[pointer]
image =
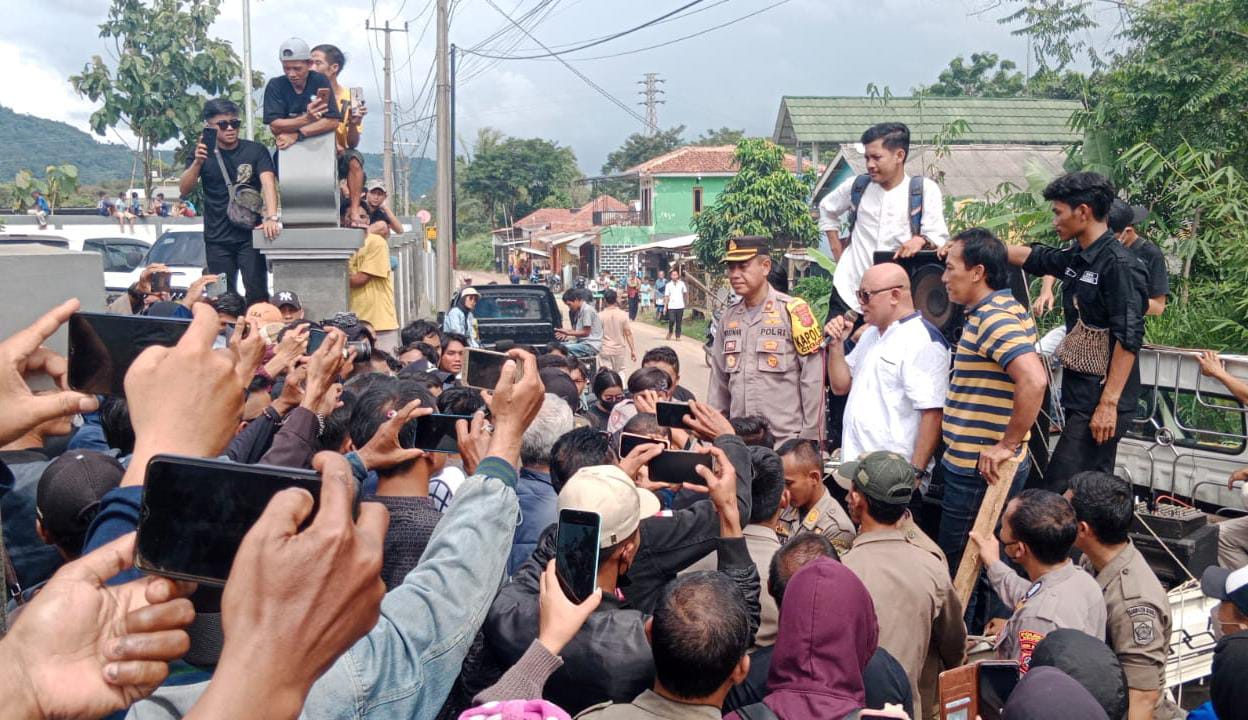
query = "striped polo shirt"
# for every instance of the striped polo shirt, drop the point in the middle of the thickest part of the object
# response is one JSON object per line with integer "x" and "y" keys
{"x": 981, "y": 393}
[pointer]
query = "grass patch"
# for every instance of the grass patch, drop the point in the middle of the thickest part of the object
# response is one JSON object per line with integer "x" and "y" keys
{"x": 695, "y": 328}
{"x": 475, "y": 253}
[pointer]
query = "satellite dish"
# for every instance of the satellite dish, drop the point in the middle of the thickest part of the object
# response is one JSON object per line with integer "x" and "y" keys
{"x": 424, "y": 217}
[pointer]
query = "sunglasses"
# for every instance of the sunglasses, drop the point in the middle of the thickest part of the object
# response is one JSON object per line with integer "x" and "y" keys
{"x": 228, "y": 124}
{"x": 864, "y": 296}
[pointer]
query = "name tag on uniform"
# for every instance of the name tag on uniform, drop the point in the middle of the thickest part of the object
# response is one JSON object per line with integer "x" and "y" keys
{"x": 1090, "y": 277}
{"x": 771, "y": 345}
{"x": 730, "y": 346}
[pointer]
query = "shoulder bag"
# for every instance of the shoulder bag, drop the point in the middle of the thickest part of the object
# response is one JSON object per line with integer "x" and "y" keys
{"x": 243, "y": 209}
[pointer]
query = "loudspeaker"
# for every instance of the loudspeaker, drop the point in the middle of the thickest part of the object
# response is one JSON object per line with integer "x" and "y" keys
{"x": 928, "y": 290}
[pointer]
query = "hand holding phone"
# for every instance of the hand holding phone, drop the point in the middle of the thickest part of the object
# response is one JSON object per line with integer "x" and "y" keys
{"x": 672, "y": 414}
{"x": 162, "y": 282}
{"x": 102, "y": 347}
{"x": 209, "y": 139}
{"x": 676, "y": 467}
{"x": 483, "y": 368}
{"x": 432, "y": 433}
{"x": 559, "y": 618}
{"x": 576, "y": 553}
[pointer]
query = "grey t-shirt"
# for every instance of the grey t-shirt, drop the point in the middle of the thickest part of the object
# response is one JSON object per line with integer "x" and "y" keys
{"x": 588, "y": 318}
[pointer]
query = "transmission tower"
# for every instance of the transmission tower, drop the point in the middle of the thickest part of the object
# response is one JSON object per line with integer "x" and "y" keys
{"x": 651, "y": 93}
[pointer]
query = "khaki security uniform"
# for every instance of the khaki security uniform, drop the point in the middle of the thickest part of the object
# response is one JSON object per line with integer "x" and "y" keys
{"x": 756, "y": 368}
{"x": 1138, "y": 621}
{"x": 827, "y": 518}
{"x": 1065, "y": 598}
{"x": 919, "y": 612}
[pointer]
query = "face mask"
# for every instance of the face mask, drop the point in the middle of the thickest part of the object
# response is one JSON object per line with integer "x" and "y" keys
{"x": 609, "y": 403}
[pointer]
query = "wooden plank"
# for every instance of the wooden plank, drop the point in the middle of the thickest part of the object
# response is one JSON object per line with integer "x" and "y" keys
{"x": 985, "y": 524}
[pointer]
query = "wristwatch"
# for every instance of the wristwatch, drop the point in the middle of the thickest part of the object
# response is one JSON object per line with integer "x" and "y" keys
{"x": 921, "y": 474}
{"x": 274, "y": 218}
{"x": 299, "y": 134}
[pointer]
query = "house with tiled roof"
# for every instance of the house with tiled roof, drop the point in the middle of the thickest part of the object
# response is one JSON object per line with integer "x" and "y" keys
{"x": 547, "y": 237}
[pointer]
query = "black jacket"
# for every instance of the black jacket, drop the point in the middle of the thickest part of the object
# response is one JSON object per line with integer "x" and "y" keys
{"x": 609, "y": 659}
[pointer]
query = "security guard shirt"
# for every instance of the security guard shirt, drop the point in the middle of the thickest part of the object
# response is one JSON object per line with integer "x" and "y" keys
{"x": 1138, "y": 619}
{"x": 827, "y": 518}
{"x": 1063, "y": 598}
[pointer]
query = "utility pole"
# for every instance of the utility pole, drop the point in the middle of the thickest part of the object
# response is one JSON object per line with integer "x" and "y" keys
{"x": 387, "y": 147}
{"x": 446, "y": 161}
{"x": 652, "y": 102}
{"x": 249, "y": 130}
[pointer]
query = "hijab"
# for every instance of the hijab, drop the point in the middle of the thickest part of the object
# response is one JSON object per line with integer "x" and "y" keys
{"x": 1045, "y": 693}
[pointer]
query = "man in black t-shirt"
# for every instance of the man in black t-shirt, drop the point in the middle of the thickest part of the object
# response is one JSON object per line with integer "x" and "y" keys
{"x": 300, "y": 103}
{"x": 1123, "y": 221}
{"x": 228, "y": 248}
{"x": 378, "y": 209}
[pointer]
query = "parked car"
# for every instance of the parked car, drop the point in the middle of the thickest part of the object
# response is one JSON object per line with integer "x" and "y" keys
{"x": 121, "y": 256}
{"x": 523, "y": 314}
{"x": 183, "y": 252}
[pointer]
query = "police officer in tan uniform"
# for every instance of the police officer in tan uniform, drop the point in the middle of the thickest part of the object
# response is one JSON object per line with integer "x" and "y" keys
{"x": 1037, "y": 531}
{"x": 919, "y": 612}
{"x": 767, "y": 359}
{"x": 811, "y": 507}
{"x": 1136, "y": 604}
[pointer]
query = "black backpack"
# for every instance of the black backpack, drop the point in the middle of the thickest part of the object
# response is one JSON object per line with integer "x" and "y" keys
{"x": 916, "y": 202}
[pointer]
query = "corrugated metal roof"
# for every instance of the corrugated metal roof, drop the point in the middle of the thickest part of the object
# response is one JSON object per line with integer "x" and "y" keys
{"x": 968, "y": 171}
{"x": 839, "y": 120}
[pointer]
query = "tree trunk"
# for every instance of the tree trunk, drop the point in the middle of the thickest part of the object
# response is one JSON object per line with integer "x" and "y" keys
{"x": 147, "y": 168}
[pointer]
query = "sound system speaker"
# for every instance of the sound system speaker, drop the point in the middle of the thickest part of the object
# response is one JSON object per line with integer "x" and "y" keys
{"x": 928, "y": 290}
{"x": 1197, "y": 550}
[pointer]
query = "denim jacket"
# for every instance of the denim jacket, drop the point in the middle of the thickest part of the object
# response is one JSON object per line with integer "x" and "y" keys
{"x": 405, "y": 665}
{"x": 459, "y": 320}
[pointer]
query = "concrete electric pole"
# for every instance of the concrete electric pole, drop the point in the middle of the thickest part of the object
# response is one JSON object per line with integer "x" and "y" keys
{"x": 249, "y": 130}
{"x": 387, "y": 143}
{"x": 651, "y": 93}
{"x": 446, "y": 162}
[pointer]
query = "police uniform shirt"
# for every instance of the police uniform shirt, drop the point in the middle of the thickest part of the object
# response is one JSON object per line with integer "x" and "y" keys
{"x": 919, "y": 612}
{"x": 827, "y": 518}
{"x": 1138, "y": 617}
{"x": 767, "y": 361}
{"x": 1064, "y": 598}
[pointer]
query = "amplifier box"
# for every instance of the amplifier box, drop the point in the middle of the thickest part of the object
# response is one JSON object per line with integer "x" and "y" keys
{"x": 1169, "y": 521}
{"x": 1197, "y": 551}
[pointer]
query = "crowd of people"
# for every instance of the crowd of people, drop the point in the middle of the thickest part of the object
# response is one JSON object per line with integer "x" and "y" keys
{"x": 787, "y": 577}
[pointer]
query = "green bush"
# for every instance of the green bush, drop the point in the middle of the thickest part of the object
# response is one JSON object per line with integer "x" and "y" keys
{"x": 475, "y": 253}
{"x": 816, "y": 290}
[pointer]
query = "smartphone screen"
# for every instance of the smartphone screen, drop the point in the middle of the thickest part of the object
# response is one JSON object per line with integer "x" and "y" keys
{"x": 323, "y": 94}
{"x": 996, "y": 682}
{"x": 672, "y": 414}
{"x": 162, "y": 282}
{"x": 630, "y": 442}
{"x": 196, "y": 511}
{"x": 576, "y": 553}
{"x": 216, "y": 288}
{"x": 209, "y": 138}
{"x": 357, "y": 97}
{"x": 678, "y": 466}
{"x": 102, "y": 347}
{"x": 315, "y": 338}
{"x": 483, "y": 368}
{"x": 434, "y": 433}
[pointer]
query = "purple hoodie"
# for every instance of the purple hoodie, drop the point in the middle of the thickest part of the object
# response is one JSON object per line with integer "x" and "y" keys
{"x": 828, "y": 632}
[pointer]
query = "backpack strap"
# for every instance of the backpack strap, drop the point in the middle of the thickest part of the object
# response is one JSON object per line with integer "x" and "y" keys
{"x": 757, "y": 711}
{"x": 916, "y": 205}
{"x": 855, "y": 199}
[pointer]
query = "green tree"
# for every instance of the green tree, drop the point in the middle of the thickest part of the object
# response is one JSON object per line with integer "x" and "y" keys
{"x": 512, "y": 177}
{"x": 986, "y": 76}
{"x": 167, "y": 66}
{"x": 637, "y": 149}
{"x": 59, "y": 182}
{"x": 763, "y": 198}
{"x": 722, "y": 136}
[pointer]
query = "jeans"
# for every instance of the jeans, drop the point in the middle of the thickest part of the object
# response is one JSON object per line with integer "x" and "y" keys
{"x": 229, "y": 257}
{"x": 964, "y": 493}
{"x": 1076, "y": 451}
{"x": 581, "y": 349}
{"x": 675, "y": 317}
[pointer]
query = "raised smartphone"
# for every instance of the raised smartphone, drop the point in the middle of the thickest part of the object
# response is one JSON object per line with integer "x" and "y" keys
{"x": 432, "y": 433}
{"x": 209, "y": 138}
{"x": 576, "y": 553}
{"x": 672, "y": 414}
{"x": 195, "y": 512}
{"x": 483, "y": 368}
{"x": 678, "y": 466}
{"x": 630, "y": 442}
{"x": 103, "y": 346}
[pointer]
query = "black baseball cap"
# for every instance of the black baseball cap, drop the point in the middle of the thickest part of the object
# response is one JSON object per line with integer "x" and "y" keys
{"x": 70, "y": 489}
{"x": 1123, "y": 216}
{"x": 1222, "y": 583}
{"x": 286, "y": 297}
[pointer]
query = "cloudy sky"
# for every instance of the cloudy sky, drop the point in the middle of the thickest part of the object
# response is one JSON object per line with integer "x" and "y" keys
{"x": 732, "y": 76}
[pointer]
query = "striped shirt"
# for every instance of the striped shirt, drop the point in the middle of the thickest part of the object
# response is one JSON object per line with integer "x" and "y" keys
{"x": 981, "y": 393}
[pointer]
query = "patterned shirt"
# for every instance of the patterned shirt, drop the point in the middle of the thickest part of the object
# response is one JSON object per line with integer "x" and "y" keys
{"x": 981, "y": 393}
{"x": 412, "y": 520}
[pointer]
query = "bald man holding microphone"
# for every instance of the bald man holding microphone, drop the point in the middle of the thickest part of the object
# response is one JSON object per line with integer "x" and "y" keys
{"x": 896, "y": 375}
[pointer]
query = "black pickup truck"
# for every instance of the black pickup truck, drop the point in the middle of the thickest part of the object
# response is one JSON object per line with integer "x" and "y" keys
{"x": 522, "y": 314}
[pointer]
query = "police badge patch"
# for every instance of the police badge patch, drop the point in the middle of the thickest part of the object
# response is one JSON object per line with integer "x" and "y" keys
{"x": 1142, "y": 631}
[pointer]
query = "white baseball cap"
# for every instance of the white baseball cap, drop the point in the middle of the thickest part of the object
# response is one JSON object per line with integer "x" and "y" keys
{"x": 610, "y": 492}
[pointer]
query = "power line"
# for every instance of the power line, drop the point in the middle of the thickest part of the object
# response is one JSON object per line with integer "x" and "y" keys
{"x": 682, "y": 38}
{"x": 574, "y": 71}
{"x": 599, "y": 41}
{"x": 689, "y": 14}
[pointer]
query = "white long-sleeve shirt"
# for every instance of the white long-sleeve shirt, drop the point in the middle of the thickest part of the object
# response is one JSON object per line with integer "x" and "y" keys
{"x": 883, "y": 224}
